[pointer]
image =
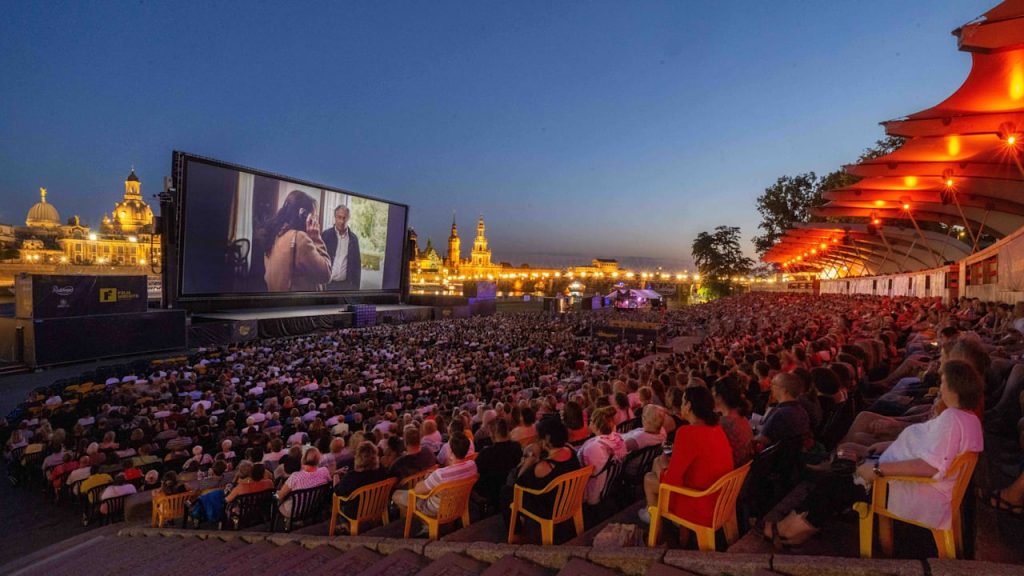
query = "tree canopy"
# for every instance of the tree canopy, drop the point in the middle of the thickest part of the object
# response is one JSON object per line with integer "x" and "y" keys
{"x": 718, "y": 256}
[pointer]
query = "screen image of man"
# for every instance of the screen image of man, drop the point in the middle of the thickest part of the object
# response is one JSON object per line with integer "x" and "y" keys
{"x": 343, "y": 248}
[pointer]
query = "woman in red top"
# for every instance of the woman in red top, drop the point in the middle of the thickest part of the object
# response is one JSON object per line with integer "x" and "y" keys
{"x": 701, "y": 454}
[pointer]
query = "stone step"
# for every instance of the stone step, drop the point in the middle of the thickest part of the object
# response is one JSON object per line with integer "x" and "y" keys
{"x": 660, "y": 569}
{"x": 580, "y": 567}
{"x": 490, "y": 529}
{"x": 194, "y": 552}
{"x": 270, "y": 559}
{"x": 395, "y": 529}
{"x": 241, "y": 555}
{"x": 318, "y": 529}
{"x": 159, "y": 554}
{"x": 452, "y": 564}
{"x": 353, "y": 561}
{"x": 512, "y": 566}
{"x": 309, "y": 561}
{"x": 399, "y": 563}
{"x": 625, "y": 516}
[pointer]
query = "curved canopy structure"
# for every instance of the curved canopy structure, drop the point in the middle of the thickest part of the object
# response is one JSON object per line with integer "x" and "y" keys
{"x": 864, "y": 249}
{"x": 962, "y": 166}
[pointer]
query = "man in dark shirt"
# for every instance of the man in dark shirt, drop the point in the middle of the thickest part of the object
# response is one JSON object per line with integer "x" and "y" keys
{"x": 788, "y": 421}
{"x": 414, "y": 460}
{"x": 495, "y": 462}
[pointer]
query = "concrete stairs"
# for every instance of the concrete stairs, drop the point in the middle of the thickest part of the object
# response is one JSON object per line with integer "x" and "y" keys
{"x": 136, "y": 550}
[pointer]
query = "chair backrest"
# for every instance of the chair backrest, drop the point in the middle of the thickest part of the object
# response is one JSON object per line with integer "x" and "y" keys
{"x": 373, "y": 499}
{"x": 728, "y": 489}
{"x": 410, "y": 481}
{"x": 172, "y": 506}
{"x": 961, "y": 470}
{"x": 454, "y": 498}
{"x": 569, "y": 488}
{"x": 639, "y": 462}
{"x": 251, "y": 509}
{"x": 115, "y": 508}
{"x": 631, "y": 424}
{"x": 612, "y": 477}
{"x": 838, "y": 424}
{"x": 93, "y": 496}
{"x": 308, "y": 503}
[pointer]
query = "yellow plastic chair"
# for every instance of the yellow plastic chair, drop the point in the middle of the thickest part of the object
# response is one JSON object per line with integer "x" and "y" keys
{"x": 409, "y": 482}
{"x": 569, "y": 490}
{"x": 169, "y": 507}
{"x": 949, "y": 542}
{"x": 373, "y": 503}
{"x": 728, "y": 489}
{"x": 454, "y": 506}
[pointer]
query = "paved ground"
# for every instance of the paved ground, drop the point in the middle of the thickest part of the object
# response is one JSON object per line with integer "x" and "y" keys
{"x": 31, "y": 521}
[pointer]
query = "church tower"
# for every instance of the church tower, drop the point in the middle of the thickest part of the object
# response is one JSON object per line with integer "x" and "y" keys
{"x": 454, "y": 248}
{"x": 481, "y": 256}
{"x": 131, "y": 215}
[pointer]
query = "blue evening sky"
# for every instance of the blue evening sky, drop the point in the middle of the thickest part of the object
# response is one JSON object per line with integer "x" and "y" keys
{"x": 579, "y": 129}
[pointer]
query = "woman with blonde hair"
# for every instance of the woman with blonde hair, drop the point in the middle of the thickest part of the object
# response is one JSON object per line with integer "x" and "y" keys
{"x": 367, "y": 470}
{"x": 604, "y": 446}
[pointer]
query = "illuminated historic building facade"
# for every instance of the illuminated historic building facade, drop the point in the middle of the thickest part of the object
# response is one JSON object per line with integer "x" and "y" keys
{"x": 126, "y": 237}
{"x": 454, "y": 257}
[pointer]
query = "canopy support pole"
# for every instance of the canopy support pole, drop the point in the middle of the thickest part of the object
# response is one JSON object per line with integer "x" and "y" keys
{"x": 888, "y": 251}
{"x": 863, "y": 261}
{"x": 960, "y": 209}
{"x": 977, "y": 239}
{"x": 924, "y": 241}
{"x": 904, "y": 267}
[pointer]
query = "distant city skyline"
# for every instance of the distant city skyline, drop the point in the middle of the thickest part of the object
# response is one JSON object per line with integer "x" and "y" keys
{"x": 578, "y": 131}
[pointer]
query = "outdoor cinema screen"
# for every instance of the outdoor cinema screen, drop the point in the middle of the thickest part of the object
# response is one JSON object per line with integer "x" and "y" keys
{"x": 246, "y": 232}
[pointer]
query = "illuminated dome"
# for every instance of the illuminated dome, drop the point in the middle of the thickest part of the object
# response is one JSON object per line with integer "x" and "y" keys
{"x": 131, "y": 214}
{"x": 42, "y": 214}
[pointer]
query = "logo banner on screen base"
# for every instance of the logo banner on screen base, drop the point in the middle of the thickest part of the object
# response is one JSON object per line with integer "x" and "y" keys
{"x": 51, "y": 296}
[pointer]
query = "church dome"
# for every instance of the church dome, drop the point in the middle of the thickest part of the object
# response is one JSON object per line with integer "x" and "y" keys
{"x": 42, "y": 214}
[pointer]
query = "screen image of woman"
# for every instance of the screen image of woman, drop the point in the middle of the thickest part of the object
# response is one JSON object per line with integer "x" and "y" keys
{"x": 296, "y": 258}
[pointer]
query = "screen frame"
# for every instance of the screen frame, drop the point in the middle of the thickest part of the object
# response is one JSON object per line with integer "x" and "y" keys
{"x": 180, "y": 164}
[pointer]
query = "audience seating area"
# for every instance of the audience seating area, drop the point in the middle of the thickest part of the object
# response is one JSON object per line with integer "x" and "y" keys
{"x": 158, "y": 437}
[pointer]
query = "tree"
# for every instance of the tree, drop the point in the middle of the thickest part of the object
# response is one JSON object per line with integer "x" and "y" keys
{"x": 887, "y": 145}
{"x": 719, "y": 257}
{"x": 783, "y": 204}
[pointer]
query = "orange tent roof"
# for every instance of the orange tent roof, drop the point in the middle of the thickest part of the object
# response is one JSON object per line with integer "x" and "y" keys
{"x": 963, "y": 165}
{"x": 864, "y": 249}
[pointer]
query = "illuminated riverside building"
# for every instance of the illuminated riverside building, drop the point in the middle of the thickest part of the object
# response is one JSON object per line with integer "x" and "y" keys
{"x": 430, "y": 273}
{"x": 126, "y": 237}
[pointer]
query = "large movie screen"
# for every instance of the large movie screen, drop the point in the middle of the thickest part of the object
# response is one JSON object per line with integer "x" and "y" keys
{"x": 248, "y": 233}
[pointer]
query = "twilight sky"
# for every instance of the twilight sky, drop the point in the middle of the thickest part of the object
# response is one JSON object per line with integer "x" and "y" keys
{"x": 579, "y": 130}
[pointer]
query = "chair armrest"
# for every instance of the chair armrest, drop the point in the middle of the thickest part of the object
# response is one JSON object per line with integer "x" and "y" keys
{"x": 414, "y": 496}
{"x": 534, "y": 491}
{"x": 342, "y": 498}
{"x": 919, "y": 479}
{"x": 672, "y": 489}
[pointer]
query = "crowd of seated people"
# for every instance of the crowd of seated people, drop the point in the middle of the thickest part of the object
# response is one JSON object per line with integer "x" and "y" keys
{"x": 493, "y": 395}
